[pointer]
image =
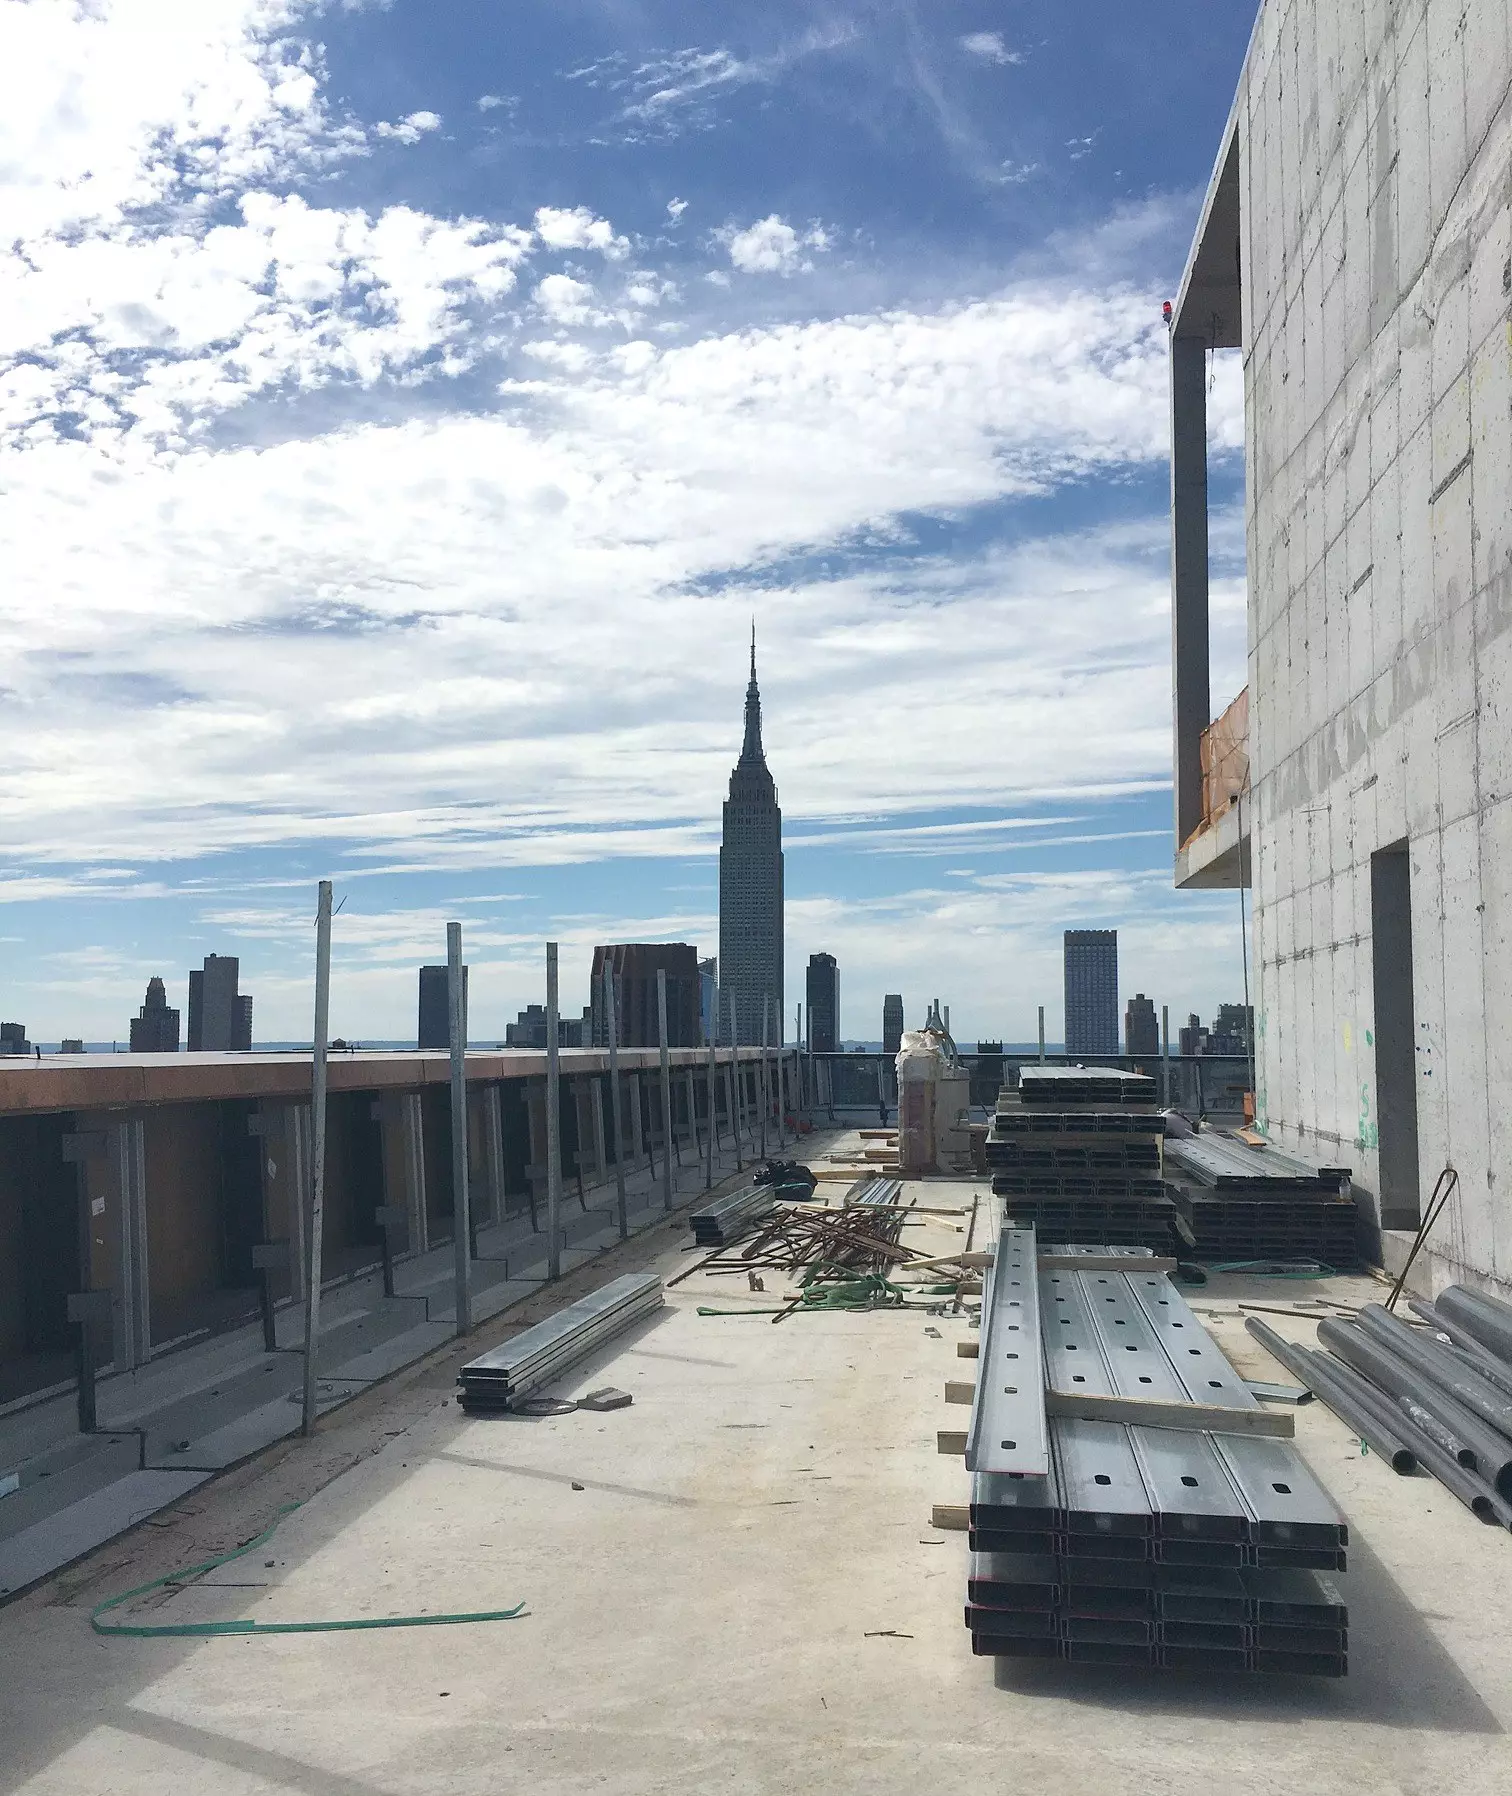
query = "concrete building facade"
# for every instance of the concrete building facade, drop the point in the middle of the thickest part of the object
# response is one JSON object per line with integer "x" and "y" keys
{"x": 1355, "y": 247}
{"x": 155, "y": 1027}
{"x": 823, "y": 999}
{"x": 750, "y": 884}
{"x": 1091, "y": 989}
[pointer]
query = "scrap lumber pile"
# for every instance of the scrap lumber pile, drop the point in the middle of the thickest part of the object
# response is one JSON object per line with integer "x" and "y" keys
{"x": 1241, "y": 1202}
{"x": 1439, "y": 1398}
{"x": 1194, "y": 1539}
{"x": 1076, "y": 1153}
{"x": 499, "y": 1379}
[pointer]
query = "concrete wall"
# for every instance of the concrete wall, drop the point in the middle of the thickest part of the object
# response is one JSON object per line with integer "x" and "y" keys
{"x": 1376, "y": 166}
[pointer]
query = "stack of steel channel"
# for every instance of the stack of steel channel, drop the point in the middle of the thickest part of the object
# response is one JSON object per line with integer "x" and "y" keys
{"x": 1441, "y": 1400}
{"x": 722, "y": 1220}
{"x": 881, "y": 1192}
{"x": 1097, "y": 1542}
{"x": 1255, "y": 1203}
{"x": 1076, "y": 1152}
{"x": 500, "y": 1378}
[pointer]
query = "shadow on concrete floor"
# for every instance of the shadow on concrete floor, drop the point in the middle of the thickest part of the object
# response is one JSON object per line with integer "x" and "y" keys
{"x": 1399, "y": 1674}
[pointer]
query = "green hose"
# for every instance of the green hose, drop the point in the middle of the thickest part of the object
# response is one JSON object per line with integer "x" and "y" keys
{"x": 210, "y": 1630}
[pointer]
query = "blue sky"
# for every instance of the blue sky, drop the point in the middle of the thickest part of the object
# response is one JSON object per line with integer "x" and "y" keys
{"x": 404, "y": 410}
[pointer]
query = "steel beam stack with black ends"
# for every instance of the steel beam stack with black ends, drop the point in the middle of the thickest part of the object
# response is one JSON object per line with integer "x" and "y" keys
{"x": 1076, "y": 1151}
{"x": 1241, "y": 1202}
{"x": 1096, "y": 1542}
{"x": 1442, "y": 1399}
{"x": 497, "y": 1380}
{"x": 722, "y": 1220}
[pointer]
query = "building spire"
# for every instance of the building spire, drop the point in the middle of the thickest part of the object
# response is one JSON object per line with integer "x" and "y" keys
{"x": 751, "y": 750}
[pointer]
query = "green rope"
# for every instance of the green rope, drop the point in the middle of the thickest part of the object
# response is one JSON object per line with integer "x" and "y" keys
{"x": 209, "y": 1630}
{"x": 869, "y": 1291}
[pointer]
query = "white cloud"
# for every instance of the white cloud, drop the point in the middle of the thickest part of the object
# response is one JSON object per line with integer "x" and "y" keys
{"x": 675, "y": 209}
{"x": 562, "y": 298}
{"x": 772, "y": 246}
{"x": 412, "y": 128}
{"x": 575, "y": 227}
{"x": 989, "y": 47}
{"x": 489, "y": 102}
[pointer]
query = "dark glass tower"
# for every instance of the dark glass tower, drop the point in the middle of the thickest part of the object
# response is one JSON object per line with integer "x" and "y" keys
{"x": 750, "y": 885}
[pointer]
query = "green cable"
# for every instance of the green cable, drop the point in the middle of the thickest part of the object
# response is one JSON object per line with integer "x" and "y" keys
{"x": 209, "y": 1630}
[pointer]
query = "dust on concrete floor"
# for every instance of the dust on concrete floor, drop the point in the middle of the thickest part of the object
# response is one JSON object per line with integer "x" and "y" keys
{"x": 731, "y": 1585}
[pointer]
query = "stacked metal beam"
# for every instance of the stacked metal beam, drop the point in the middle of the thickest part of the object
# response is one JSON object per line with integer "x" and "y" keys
{"x": 1254, "y": 1203}
{"x": 722, "y": 1220}
{"x": 1439, "y": 1399}
{"x": 877, "y": 1189}
{"x": 498, "y": 1379}
{"x": 1135, "y": 1545}
{"x": 1077, "y": 1152}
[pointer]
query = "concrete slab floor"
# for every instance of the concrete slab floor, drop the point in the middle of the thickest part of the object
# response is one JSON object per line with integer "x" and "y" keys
{"x": 731, "y": 1585}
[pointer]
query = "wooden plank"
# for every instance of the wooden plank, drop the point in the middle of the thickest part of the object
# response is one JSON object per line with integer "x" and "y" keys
{"x": 976, "y": 1260}
{"x": 968, "y": 1349}
{"x": 952, "y": 1442}
{"x": 950, "y": 1517}
{"x": 1152, "y": 1412}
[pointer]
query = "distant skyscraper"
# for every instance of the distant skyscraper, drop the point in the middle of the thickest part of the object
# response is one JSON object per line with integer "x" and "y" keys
{"x": 892, "y": 1022}
{"x": 634, "y": 966}
{"x": 220, "y": 1017}
{"x": 750, "y": 883}
{"x": 434, "y": 1028}
{"x": 823, "y": 991}
{"x": 155, "y": 1027}
{"x": 1141, "y": 1026}
{"x": 13, "y": 1039}
{"x": 1091, "y": 991}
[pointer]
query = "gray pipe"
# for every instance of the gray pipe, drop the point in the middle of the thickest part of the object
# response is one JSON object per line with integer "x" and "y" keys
{"x": 1465, "y": 1346}
{"x": 1442, "y": 1367}
{"x": 1390, "y": 1373}
{"x": 1381, "y": 1433}
{"x": 1483, "y": 1317}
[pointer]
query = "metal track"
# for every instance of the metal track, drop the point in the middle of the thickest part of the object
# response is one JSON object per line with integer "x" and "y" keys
{"x": 517, "y": 1366}
{"x": 1008, "y": 1434}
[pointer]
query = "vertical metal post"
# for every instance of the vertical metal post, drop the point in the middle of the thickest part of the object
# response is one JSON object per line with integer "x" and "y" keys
{"x": 710, "y": 1105}
{"x": 735, "y": 1086}
{"x": 456, "y": 1008}
{"x": 611, "y": 1025}
{"x": 318, "y": 1129}
{"x": 553, "y": 1122}
{"x": 1165, "y": 1056}
{"x": 666, "y": 1086}
{"x": 1042, "y": 1034}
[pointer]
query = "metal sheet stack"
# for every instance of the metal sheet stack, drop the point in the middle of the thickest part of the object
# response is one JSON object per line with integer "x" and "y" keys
{"x": 1097, "y": 1542}
{"x": 1076, "y": 1151}
{"x": 1440, "y": 1398}
{"x": 1255, "y": 1203}
{"x": 497, "y": 1380}
{"x": 877, "y": 1190}
{"x": 722, "y": 1220}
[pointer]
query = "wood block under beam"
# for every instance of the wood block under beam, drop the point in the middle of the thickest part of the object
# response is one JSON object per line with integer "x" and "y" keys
{"x": 951, "y": 1442}
{"x": 968, "y": 1349}
{"x": 950, "y": 1517}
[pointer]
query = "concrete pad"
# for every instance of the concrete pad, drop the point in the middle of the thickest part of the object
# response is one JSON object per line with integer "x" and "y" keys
{"x": 59, "y": 1539}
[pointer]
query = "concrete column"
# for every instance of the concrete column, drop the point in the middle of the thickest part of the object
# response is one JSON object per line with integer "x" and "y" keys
{"x": 1190, "y": 696}
{"x": 414, "y": 1173}
{"x": 600, "y": 1153}
{"x": 132, "y": 1330}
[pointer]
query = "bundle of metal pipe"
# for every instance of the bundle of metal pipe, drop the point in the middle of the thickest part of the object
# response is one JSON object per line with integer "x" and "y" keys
{"x": 498, "y": 1379}
{"x": 1421, "y": 1399}
{"x": 1134, "y": 1544}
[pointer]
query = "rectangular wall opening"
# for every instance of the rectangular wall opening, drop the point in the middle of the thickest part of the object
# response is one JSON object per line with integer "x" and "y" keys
{"x": 1395, "y": 1036}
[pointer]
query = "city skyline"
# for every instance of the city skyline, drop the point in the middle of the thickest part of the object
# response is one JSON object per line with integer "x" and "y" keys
{"x": 444, "y": 399}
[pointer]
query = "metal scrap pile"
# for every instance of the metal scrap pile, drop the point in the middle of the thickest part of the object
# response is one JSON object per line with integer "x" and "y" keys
{"x": 1440, "y": 1398}
{"x": 1075, "y": 1152}
{"x": 1097, "y": 1541}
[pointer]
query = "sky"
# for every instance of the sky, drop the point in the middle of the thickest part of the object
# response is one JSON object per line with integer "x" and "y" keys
{"x": 406, "y": 409}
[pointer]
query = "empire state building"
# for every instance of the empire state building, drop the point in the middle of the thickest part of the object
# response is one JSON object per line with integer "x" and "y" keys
{"x": 750, "y": 886}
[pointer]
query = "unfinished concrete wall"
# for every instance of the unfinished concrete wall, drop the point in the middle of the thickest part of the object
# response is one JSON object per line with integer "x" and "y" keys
{"x": 1376, "y": 168}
